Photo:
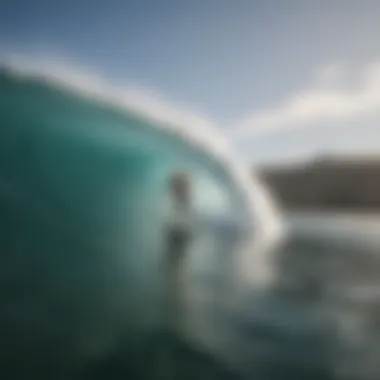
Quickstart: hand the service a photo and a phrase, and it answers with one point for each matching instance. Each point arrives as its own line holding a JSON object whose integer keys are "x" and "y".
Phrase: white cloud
{"x": 333, "y": 75}
{"x": 337, "y": 95}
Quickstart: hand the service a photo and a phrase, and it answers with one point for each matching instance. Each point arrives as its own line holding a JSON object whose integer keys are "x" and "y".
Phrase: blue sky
{"x": 283, "y": 78}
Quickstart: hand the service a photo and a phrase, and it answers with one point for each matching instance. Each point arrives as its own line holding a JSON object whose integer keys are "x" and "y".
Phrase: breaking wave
{"x": 83, "y": 170}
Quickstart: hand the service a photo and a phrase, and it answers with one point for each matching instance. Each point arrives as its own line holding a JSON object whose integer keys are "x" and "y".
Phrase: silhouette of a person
{"x": 178, "y": 237}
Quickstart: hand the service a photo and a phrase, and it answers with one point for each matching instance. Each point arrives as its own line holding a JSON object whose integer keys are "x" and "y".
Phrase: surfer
{"x": 178, "y": 238}
{"x": 178, "y": 234}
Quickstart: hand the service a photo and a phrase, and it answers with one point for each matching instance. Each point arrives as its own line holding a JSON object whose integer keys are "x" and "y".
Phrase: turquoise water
{"x": 82, "y": 194}
{"x": 83, "y": 186}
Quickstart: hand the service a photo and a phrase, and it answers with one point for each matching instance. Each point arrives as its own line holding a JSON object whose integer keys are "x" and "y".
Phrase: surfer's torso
{"x": 179, "y": 230}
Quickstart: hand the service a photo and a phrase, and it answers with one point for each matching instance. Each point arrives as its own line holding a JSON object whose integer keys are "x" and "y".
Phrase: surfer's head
{"x": 180, "y": 186}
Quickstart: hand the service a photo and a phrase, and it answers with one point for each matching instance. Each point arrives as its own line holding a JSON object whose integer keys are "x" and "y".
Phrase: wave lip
{"x": 185, "y": 129}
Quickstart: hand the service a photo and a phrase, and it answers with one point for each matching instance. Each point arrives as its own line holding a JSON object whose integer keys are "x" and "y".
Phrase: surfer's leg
{"x": 165, "y": 362}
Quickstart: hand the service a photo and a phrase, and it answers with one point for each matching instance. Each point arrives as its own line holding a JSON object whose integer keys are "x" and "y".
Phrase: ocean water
{"x": 81, "y": 287}
{"x": 83, "y": 183}
{"x": 319, "y": 319}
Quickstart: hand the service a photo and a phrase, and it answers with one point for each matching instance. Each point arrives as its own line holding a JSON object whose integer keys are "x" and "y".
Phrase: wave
{"x": 83, "y": 171}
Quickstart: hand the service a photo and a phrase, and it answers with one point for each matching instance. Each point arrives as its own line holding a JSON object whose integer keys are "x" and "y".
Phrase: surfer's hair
{"x": 179, "y": 181}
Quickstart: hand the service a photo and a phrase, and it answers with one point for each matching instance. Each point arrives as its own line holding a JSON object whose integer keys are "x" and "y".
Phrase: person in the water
{"x": 178, "y": 235}
{"x": 179, "y": 232}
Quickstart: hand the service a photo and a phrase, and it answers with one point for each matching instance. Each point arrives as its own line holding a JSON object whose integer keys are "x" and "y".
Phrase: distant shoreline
{"x": 327, "y": 185}
{"x": 333, "y": 213}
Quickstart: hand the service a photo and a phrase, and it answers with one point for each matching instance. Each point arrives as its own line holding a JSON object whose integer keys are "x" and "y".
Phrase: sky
{"x": 283, "y": 79}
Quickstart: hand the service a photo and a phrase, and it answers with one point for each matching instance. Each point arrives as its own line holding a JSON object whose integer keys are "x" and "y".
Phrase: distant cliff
{"x": 338, "y": 184}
